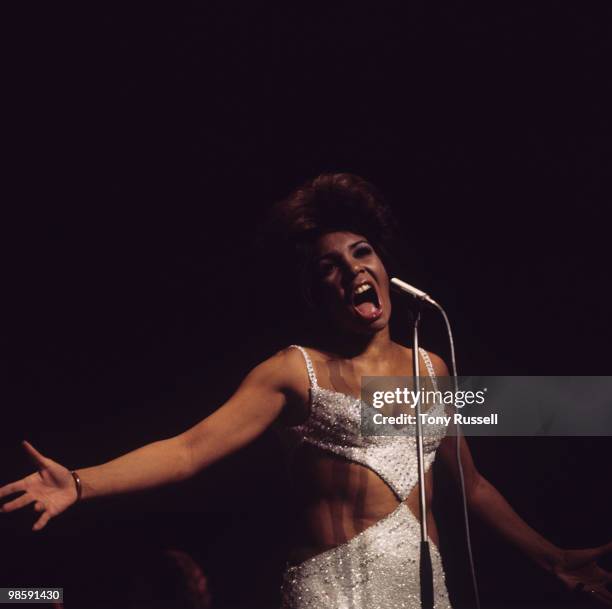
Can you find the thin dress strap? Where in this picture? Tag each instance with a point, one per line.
(311, 373)
(429, 366)
(427, 361)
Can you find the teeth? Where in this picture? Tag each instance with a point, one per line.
(363, 288)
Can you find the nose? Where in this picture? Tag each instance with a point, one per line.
(351, 267)
(355, 269)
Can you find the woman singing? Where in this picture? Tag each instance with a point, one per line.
(358, 532)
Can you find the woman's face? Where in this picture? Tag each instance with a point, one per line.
(351, 282)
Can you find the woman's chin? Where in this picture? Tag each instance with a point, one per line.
(379, 324)
(368, 327)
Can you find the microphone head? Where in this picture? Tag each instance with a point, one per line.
(401, 286)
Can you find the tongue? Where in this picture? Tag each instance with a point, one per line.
(366, 309)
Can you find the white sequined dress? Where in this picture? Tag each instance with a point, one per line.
(379, 567)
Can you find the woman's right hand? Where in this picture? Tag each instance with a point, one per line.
(52, 489)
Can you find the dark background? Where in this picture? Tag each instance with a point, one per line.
(143, 143)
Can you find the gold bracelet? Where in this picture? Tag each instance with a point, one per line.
(77, 482)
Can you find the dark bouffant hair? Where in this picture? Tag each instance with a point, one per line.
(328, 203)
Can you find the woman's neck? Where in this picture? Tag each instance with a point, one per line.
(350, 346)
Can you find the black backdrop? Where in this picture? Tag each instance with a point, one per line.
(143, 145)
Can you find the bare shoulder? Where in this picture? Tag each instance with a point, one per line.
(437, 362)
(439, 365)
(286, 371)
(318, 355)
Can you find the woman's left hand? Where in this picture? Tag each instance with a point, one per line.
(579, 571)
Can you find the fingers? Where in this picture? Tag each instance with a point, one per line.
(593, 554)
(601, 550)
(20, 502)
(13, 487)
(596, 592)
(603, 596)
(603, 574)
(41, 522)
(589, 554)
(39, 460)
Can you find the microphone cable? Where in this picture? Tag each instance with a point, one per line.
(458, 455)
(423, 297)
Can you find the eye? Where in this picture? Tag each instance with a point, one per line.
(363, 250)
(325, 268)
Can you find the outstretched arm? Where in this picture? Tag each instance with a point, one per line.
(484, 500)
(577, 569)
(253, 407)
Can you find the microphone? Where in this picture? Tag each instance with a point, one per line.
(401, 286)
(406, 288)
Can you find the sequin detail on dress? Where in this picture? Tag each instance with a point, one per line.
(379, 567)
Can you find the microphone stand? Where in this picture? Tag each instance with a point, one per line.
(422, 298)
(425, 569)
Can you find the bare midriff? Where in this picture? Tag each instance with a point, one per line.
(340, 499)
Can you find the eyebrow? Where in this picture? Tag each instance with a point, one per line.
(352, 246)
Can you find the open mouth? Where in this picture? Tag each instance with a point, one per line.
(366, 301)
